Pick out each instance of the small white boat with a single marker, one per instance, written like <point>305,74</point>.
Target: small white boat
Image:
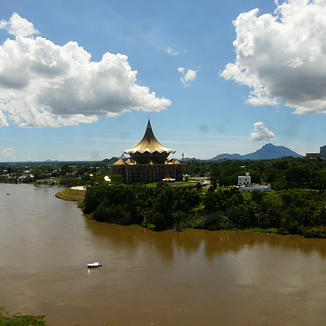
<point>97,264</point>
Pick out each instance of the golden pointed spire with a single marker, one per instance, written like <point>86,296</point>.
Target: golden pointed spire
<point>149,144</point>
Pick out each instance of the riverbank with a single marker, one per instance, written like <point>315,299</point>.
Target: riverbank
<point>72,194</point>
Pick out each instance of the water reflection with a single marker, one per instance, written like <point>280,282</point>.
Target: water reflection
<point>215,243</point>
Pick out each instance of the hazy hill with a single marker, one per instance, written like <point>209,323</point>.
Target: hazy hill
<point>268,151</point>
<point>111,160</point>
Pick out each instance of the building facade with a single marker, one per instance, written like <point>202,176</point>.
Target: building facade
<point>244,184</point>
<point>323,151</point>
<point>148,162</point>
<point>244,179</point>
<point>318,156</point>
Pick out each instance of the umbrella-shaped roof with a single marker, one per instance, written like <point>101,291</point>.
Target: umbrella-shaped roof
<point>149,144</point>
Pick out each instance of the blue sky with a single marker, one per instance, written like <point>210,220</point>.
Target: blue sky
<point>79,79</point>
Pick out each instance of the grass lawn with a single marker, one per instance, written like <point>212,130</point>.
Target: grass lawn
<point>71,194</point>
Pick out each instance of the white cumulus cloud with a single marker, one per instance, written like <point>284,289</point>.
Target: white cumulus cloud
<point>281,57</point>
<point>187,75</point>
<point>261,133</point>
<point>18,26</point>
<point>9,154</point>
<point>46,85</point>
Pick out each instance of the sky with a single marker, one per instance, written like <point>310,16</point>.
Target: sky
<point>79,79</point>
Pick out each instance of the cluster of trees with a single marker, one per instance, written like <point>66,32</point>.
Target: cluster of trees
<point>287,211</point>
<point>158,208</point>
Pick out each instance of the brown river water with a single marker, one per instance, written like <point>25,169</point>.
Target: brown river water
<point>189,278</point>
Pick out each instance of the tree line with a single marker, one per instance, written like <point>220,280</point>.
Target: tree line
<point>297,206</point>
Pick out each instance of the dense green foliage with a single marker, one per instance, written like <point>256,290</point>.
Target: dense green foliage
<point>157,208</point>
<point>296,211</point>
<point>20,320</point>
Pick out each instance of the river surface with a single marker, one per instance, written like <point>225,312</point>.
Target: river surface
<point>189,278</point>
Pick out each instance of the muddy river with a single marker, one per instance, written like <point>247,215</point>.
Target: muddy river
<point>189,278</point>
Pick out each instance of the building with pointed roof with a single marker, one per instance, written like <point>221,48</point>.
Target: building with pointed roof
<point>148,162</point>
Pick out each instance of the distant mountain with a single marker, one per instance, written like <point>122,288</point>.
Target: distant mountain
<point>112,160</point>
<point>226,156</point>
<point>268,151</point>
<point>187,159</point>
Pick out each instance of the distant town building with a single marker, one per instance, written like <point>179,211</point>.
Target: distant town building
<point>315,156</point>
<point>244,184</point>
<point>318,156</point>
<point>148,162</point>
<point>323,151</point>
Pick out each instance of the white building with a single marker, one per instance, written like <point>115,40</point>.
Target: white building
<point>244,179</point>
<point>244,185</point>
<point>251,188</point>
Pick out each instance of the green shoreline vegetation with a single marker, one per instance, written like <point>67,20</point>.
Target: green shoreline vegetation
<point>296,205</point>
<point>289,211</point>
<point>19,319</point>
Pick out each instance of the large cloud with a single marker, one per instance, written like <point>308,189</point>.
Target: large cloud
<point>261,132</point>
<point>282,56</point>
<point>43,84</point>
